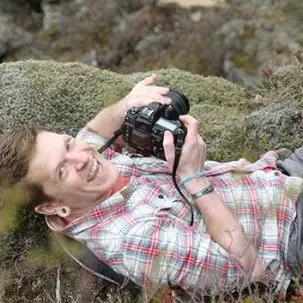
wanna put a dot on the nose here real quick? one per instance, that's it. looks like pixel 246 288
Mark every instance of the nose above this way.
pixel 77 158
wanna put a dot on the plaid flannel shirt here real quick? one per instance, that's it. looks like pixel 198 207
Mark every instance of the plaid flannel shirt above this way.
pixel 144 230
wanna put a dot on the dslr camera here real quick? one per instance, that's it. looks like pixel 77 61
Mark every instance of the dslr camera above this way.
pixel 144 127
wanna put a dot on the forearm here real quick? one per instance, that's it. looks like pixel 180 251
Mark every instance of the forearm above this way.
pixel 109 119
pixel 225 229
pixel 222 226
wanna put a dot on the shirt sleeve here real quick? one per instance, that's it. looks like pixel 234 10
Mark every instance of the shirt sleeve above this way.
pixel 96 141
pixel 161 253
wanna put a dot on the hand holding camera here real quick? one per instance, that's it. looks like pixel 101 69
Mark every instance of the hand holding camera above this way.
pixel 193 152
pixel 143 128
pixel 144 93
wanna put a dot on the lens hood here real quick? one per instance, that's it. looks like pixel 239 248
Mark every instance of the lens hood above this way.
pixel 179 105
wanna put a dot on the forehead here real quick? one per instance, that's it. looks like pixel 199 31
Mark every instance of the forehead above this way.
pixel 49 147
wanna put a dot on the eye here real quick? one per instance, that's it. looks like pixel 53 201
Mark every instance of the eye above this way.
pixel 61 171
pixel 69 142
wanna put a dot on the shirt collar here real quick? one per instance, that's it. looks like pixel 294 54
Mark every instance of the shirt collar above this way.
pixel 94 216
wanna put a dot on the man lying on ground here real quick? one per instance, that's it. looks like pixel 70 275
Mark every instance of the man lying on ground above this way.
pixel 127 211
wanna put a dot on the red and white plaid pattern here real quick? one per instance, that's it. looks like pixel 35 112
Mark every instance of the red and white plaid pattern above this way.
pixel 144 230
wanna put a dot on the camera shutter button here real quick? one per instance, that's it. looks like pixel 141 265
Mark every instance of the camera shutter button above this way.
pixel 134 110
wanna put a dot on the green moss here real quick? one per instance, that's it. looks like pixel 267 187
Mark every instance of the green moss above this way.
pixel 244 61
pixel 182 60
pixel 293 8
pixel 247 34
pixel 67 43
pixel 53 32
pixel 88 35
pixel 23 52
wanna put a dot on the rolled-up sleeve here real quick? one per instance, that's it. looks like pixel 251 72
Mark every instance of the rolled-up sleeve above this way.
pixel 165 254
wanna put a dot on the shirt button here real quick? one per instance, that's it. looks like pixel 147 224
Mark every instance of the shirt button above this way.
pixel 160 197
pixel 277 173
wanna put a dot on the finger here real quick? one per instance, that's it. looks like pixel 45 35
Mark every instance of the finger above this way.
pixel 169 147
pixel 153 90
pixel 146 100
pixel 165 100
pixel 150 80
pixel 161 99
pixel 187 119
pixel 202 143
pixel 192 126
pixel 160 90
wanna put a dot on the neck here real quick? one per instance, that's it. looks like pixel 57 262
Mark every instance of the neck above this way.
pixel 81 212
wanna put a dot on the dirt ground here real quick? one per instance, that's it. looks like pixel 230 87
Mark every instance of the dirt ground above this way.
pixel 190 3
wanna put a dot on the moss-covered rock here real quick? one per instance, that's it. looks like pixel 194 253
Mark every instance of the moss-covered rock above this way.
pixel 63 97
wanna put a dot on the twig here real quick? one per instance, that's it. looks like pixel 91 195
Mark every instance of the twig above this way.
pixel 58 286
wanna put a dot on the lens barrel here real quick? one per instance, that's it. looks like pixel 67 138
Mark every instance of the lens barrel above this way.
pixel 179 105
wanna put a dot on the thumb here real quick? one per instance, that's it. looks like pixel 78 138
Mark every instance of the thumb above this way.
pixel 169 148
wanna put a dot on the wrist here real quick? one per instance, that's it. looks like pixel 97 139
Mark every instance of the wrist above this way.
pixel 197 184
pixel 187 178
pixel 122 107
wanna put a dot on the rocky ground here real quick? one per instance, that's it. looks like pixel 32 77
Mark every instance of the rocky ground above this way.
pixel 256 44
pixel 223 38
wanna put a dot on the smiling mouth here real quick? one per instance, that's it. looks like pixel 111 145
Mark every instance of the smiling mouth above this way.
pixel 93 170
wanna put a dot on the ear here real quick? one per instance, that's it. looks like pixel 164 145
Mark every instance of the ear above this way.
pixel 52 208
pixel 47 208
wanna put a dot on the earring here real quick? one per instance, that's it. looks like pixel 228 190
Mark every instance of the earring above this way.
pixel 63 211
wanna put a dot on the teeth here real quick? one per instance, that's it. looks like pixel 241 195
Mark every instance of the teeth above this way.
pixel 93 170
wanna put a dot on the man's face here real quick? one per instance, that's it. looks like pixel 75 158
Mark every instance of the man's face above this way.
pixel 70 171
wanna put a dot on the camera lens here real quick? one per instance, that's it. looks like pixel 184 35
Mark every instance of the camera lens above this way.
pixel 179 105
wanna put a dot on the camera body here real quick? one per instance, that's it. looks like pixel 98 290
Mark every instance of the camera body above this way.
pixel 143 128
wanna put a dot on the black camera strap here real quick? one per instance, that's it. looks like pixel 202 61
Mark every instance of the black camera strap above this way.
pixel 178 150
pixel 110 142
